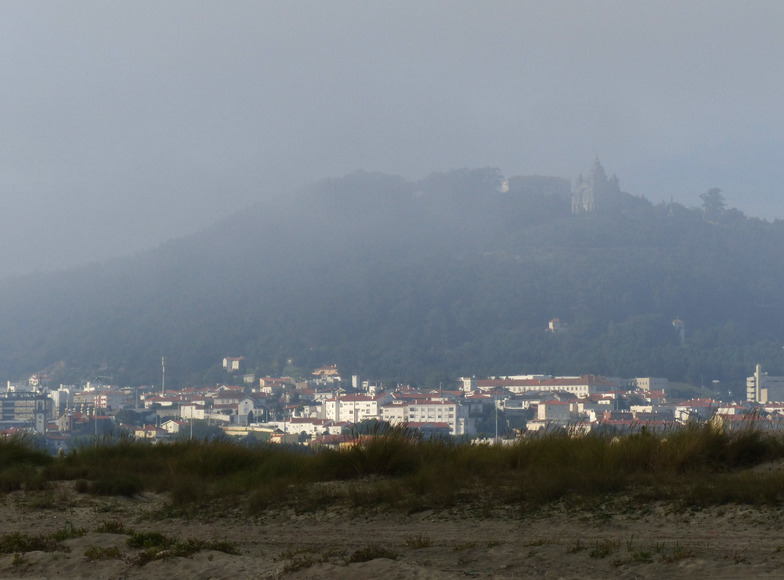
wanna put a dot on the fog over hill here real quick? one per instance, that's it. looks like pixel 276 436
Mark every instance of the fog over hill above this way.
pixel 419 281
pixel 126 124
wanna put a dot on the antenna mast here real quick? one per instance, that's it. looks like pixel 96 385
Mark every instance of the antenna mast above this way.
pixel 163 376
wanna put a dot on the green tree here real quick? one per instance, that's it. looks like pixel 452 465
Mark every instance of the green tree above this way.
pixel 713 204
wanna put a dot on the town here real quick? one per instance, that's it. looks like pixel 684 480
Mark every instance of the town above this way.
pixel 325 410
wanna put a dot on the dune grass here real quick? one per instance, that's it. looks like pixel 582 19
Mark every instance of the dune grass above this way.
pixel 396 469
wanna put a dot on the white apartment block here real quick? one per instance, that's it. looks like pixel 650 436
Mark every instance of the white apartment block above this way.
pixel 395 412
pixel 761 388
pixel 355 408
pixel 434 411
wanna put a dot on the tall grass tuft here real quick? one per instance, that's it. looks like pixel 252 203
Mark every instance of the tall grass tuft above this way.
pixel 395 468
pixel 20 464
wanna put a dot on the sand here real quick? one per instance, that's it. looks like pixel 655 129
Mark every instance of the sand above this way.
pixel 616 540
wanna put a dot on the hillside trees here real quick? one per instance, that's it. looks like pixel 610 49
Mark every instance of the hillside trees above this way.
pixel 713 204
pixel 417 282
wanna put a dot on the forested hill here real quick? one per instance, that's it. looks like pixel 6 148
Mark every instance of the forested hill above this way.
pixel 420 282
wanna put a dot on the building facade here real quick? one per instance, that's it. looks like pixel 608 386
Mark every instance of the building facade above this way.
pixel 762 388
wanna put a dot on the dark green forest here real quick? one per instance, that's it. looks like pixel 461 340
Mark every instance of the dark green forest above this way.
pixel 419 282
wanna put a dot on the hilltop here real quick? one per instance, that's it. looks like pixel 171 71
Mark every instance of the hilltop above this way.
pixel 455 274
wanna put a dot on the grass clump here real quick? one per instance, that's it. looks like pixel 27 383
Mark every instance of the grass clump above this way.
pixel 113 527
pixel 674 553
pixel 642 557
pixel 157 546
pixel 460 546
pixel 18 542
pixel 298 563
pixel 19 561
pixel 21 464
pixel 603 548
pixel 418 542
pixel 103 553
pixel 67 532
pixel 149 540
pixel 371 552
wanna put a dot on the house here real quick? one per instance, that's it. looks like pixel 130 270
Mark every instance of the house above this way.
pixel 330 441
pixel 151 400
pixel 232 363
pixel 311 427
pixel 284 438
pixel 648 384
pixel 229 397
pixel 150 432
pixel 554 411
pixel 110 399
pixel 327 371
pixel 555 325
pixel 273 384
pixel 195 410
pixel 327 375
pixel 236 407
pixel 431 430
pixel 695 410
pixel 174 426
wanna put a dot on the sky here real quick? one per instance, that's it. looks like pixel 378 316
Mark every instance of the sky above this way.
pixel 125 124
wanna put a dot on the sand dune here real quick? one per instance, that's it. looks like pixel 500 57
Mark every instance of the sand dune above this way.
pixel 614 539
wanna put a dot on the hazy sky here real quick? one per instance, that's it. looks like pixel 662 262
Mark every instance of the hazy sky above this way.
pixel 124 124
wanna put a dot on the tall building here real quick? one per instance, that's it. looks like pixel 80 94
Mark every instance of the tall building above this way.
pixel 761 388
pixel 34 408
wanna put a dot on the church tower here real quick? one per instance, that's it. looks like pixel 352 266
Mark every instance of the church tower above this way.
pixel 595 192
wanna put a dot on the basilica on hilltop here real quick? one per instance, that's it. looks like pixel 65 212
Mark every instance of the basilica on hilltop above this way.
pixel 596 191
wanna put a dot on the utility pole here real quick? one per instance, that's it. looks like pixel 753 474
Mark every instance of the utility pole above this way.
pixel 495 403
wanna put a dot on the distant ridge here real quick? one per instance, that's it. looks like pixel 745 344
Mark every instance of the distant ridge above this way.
pixel 418 281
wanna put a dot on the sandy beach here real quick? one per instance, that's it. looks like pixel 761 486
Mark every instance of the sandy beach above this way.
pixel 611 539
